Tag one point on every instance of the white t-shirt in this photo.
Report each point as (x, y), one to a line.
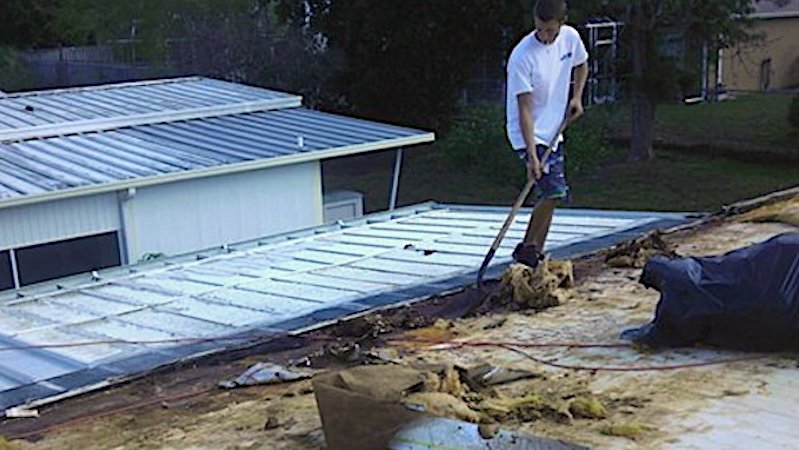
(545, 70)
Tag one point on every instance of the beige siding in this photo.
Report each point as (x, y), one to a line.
(742, 64)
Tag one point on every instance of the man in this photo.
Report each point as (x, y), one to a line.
(540, 70)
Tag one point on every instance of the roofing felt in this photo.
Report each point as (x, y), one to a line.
(139, 318)
(92, 140)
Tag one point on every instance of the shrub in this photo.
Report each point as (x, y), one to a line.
(477, 143)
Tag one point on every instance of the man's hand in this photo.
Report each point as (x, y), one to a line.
(533, 166)
(575, 109)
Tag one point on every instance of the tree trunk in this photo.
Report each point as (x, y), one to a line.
(643, 124)
(643, 104)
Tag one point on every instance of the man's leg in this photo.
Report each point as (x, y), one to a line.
(553, 188)
(538, 228)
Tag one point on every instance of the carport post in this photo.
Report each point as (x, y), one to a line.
(392, 202)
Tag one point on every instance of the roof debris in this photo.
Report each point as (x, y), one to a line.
(787, 213)
(577, 380)
(265, 373)
(635, 253)
(544, 286)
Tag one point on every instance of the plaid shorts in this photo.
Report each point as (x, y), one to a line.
(552, 184)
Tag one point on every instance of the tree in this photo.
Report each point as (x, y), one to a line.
(405, 61)
(237, 40)
(28, 23)
(650, 70)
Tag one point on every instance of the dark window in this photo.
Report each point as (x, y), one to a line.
(6, 275)
(59, 259)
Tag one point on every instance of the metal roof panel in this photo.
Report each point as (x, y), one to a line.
(61, 166)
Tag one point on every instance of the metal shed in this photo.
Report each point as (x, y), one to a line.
(121, 172)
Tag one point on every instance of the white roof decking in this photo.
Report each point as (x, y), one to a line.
(56, 144)
(279, 285)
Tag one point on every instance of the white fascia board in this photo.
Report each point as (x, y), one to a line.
(220, 170)
(96, 125)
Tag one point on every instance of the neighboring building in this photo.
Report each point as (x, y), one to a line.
(772, 63)
(108, 175)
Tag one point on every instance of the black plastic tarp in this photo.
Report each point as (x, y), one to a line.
(747, 299)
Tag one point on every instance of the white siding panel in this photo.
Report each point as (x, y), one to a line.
(197, 214)
(52, 221)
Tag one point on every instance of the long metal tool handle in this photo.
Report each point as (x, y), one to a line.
(516, 206)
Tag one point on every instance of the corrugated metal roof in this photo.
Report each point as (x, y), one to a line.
(281, 284)
(53, 112)
(150, 133)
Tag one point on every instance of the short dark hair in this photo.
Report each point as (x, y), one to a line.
(548, 10)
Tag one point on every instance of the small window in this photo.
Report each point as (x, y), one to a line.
(60, 259)
(6, 274)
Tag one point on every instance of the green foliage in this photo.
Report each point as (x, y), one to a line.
(477, 143)
(406, 61)
(793, 112)
(586, 142)
(14, 74)
(652, 67)
(28, 23)
(238, 40)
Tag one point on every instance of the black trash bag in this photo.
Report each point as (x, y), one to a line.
(747, 299)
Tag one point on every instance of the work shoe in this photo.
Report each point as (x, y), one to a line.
(528, 255)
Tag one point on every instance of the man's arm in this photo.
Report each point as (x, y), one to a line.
(576, 103)
(526, 124)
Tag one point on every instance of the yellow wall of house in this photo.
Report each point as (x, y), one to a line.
(743, 65)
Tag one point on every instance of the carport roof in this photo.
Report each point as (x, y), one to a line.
(72, 142)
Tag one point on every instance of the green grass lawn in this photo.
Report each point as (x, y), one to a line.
(678, 181)
(474, 164)
(674, 181)
(753, 123)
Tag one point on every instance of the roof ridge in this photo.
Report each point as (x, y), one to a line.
(113, 123)
(105, 86)
(44, 114)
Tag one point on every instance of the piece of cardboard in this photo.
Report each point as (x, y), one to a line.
(360, 407)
